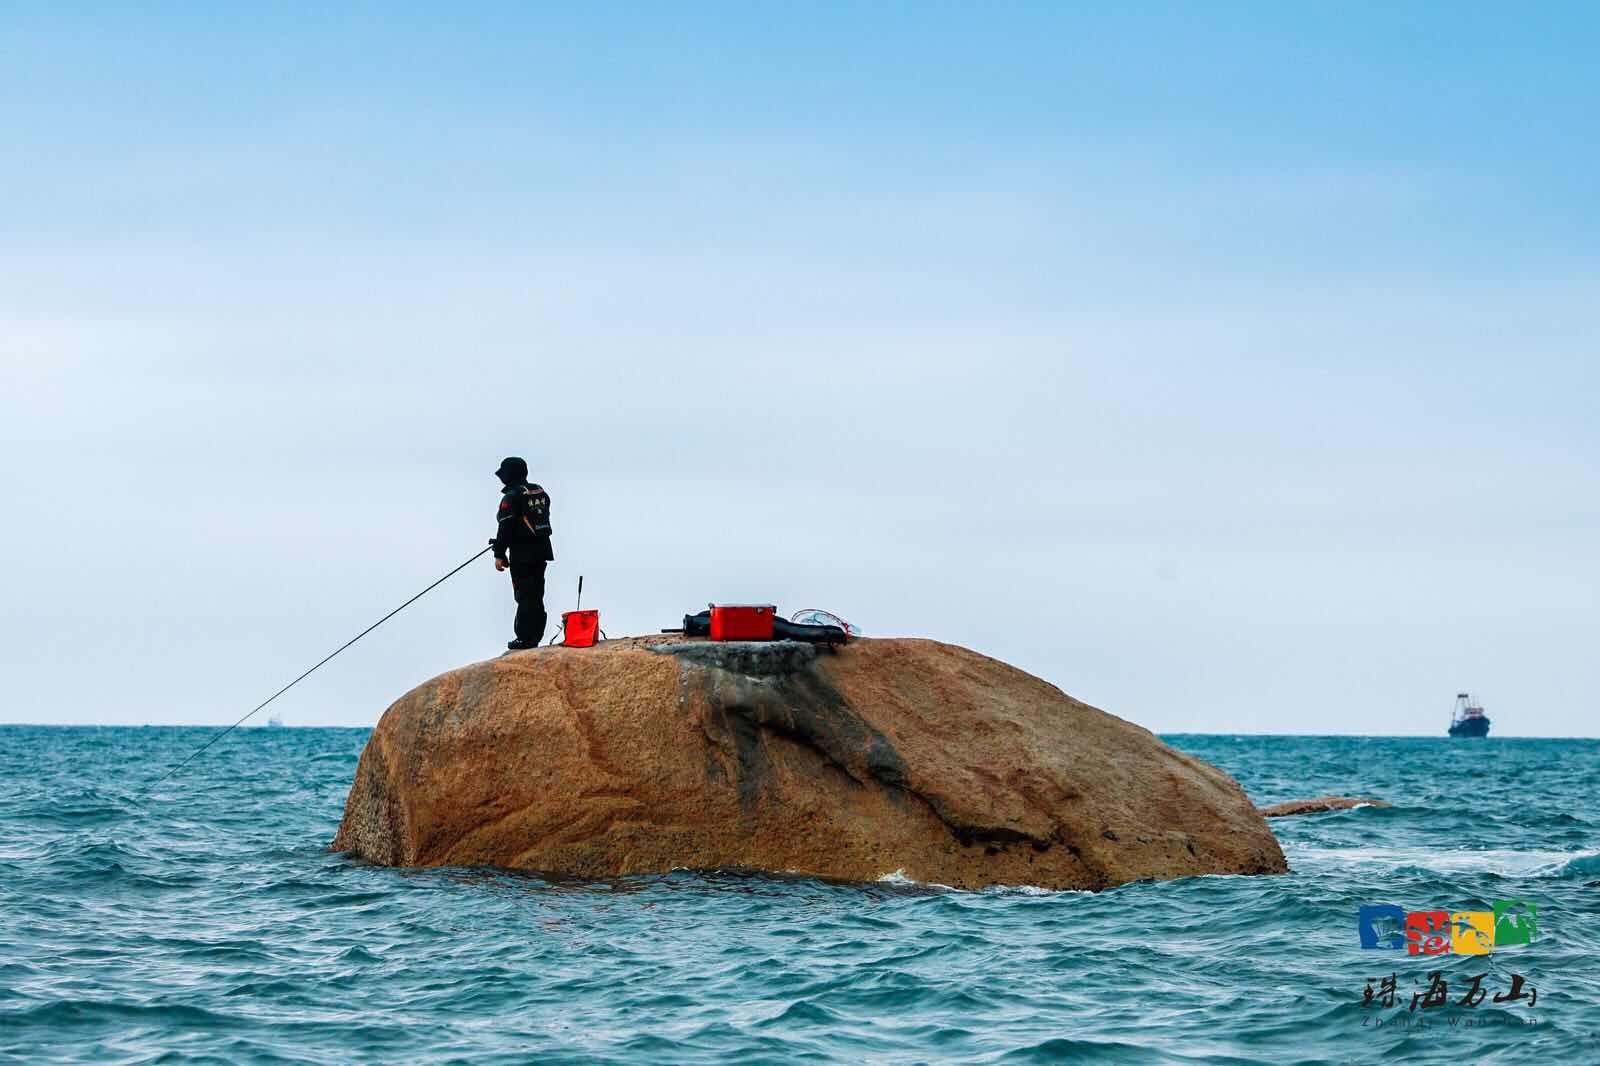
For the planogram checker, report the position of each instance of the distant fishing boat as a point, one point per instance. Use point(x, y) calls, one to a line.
point(1468, 719)
point(274, 722)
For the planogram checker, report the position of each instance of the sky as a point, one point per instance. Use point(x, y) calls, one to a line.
point(1230, 366)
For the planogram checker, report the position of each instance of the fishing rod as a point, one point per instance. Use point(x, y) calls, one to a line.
point(196, 753)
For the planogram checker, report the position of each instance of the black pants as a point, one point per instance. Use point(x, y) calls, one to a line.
point(527, 585)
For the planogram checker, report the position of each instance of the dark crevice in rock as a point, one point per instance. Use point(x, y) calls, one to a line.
point(774, 687)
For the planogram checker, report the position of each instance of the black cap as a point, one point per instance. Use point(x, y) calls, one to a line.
point(512, 469)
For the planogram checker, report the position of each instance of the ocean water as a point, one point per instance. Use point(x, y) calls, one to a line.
point(209, 922)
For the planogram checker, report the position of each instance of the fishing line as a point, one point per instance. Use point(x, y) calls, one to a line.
point(314, 669)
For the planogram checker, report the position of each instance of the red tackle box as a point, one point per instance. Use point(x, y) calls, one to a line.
point(580, 628)
point(742, 621)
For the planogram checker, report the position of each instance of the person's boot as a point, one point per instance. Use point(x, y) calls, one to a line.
point(519, 645)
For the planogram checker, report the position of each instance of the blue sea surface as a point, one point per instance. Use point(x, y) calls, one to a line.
point(209, 922)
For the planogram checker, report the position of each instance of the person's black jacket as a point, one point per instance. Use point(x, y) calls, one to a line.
point(524, 519)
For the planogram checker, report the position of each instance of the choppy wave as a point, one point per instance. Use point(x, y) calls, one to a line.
point(1580, 866)
point(1507, 862)
point(208, 920)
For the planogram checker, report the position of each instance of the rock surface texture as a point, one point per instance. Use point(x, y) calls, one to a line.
point(1318, 805)
point(889, 756)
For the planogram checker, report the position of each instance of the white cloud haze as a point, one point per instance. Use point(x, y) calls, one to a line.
point(1220, 440)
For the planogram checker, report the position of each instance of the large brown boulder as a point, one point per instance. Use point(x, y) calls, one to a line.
point(889, 756)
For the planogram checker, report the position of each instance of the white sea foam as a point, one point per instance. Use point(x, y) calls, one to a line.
point(898, 877)
point(1507, 862)
point(1034, 890)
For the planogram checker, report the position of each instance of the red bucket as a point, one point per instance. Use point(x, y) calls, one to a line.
point(580, 628)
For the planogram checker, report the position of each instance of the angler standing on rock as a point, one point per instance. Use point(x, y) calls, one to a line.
point(524, 532)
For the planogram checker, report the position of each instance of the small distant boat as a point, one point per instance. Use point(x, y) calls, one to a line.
point(274, 722)
point(1468, 719)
